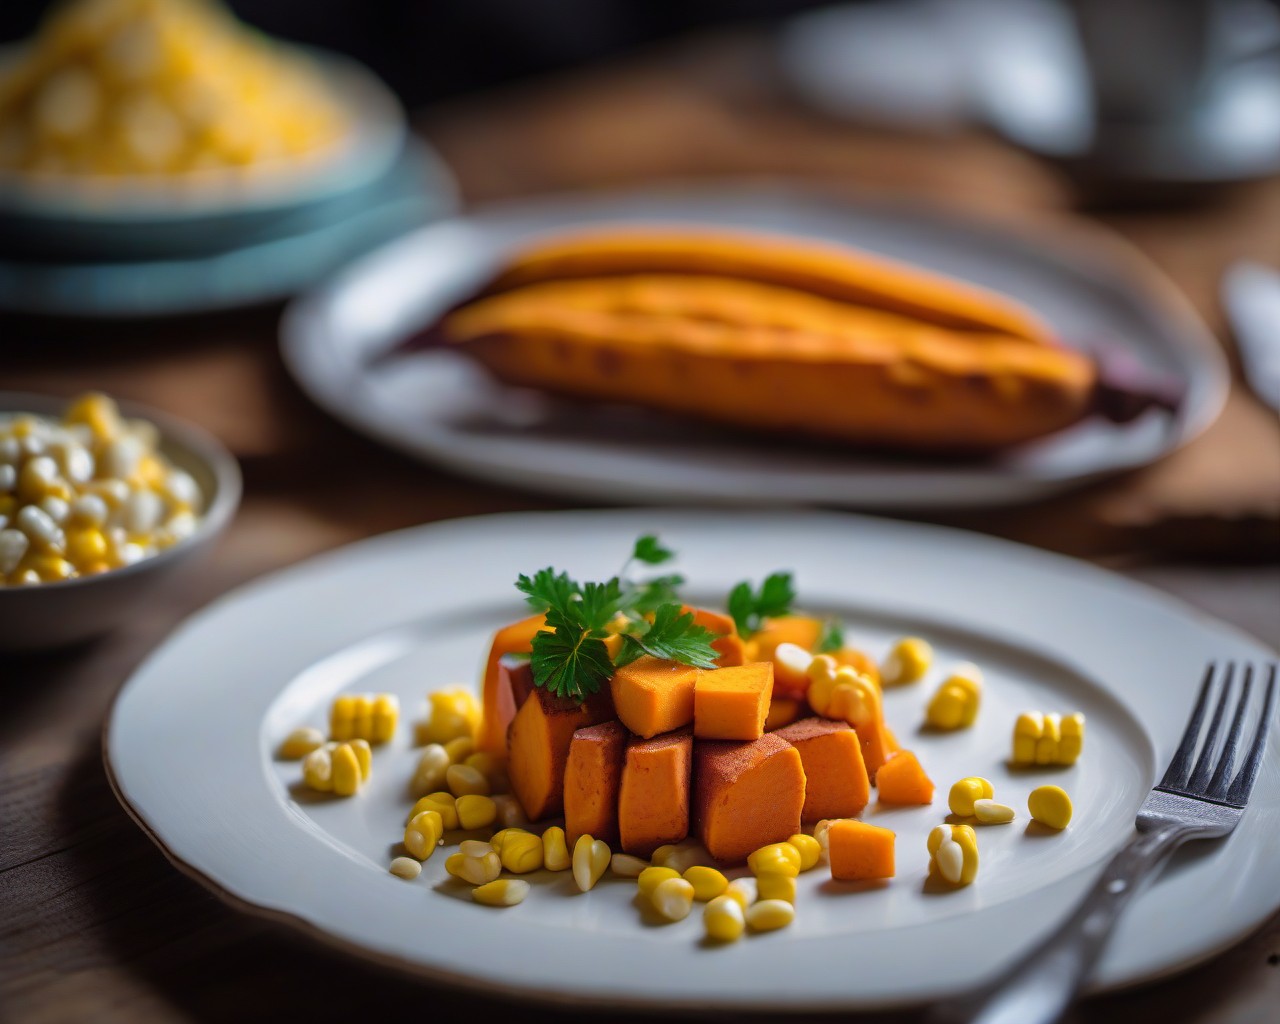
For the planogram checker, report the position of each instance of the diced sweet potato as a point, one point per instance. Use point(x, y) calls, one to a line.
point(836, 784)
point(732, 703)
point(653, 696)
point(653, 803)
point(860, 852)
point(499, 704)
point(901, 780)
point(787, 629)
point(747, 795)
point(729, 645)
point(538, 747)
point(592, 780)
point(783, 711)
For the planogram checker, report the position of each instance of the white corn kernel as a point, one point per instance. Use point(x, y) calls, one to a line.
point(745, 891)
point(990, 812)
point(120, 457)
point(769, 915)
point(429, 774)
point(672, 898)
point(8, 478)
point(55, 508)
point(41, 530)
point(555, 850)
point(724, 919)
point(476, 870)
point(13, 545)
point(77, 464)
point(475, 848)
point(626, 866)
point(590, 859)
point(300, 743)
point(405, 867)
point(950, 859)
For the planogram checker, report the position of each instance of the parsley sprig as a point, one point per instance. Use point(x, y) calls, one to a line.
point(572, 660)
point(749, 607)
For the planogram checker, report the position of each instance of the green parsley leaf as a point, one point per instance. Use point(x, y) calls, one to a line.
point(749, 608)
point(570, 662)
point(671, 636)
point(649, 595)
point(649, 551)
point(600, 603)
point(831, 638)
point(547, 589)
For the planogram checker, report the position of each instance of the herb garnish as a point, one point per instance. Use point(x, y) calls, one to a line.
point(749, 608)
point(831, 638)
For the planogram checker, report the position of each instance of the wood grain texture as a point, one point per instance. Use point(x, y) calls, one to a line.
point(95, 925)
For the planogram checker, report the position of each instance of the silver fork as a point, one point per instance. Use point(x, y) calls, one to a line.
point(1198, 798)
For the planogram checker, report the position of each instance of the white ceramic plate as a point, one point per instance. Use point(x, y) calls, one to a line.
point(443, 409)
point(192, 734)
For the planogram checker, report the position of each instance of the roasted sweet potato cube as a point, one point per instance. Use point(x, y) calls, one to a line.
point(654, 696)
point(653, 803)
point(732, 703)
point(783, 711)
point(592, 782)
point(746, 795)
point(538, 747)
point(901, 780)
point(836, 783)
point(859, 852)
point(499, 703)
point(730, 647)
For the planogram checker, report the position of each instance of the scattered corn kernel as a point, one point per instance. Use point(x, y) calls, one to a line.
point(855, 698)
point(475, 848)
point(682, 855)
point(1042, 739)
point(955, 703)
point(820, 831)
point(453, 714)
point(771, 886)
point(555, 850)
point(498, 838)
point(502, 892)
point(590, 859)
point(460, 748)
point(476, 870)
point(963, 794)
point(822, 682)
point(744, 891)
point(626, 866)
point(724, 919)
point(510, 813)
point(443, 804)
point(405, 867)
point(770, 915)
point(521, 852)
point(463, 780)
point(338, 768)
point(953, 853)
point(422, 834)
point(991, 812)
point(492, 767)
point(708, 883)
point(346, 773)
point(299, 743)
point(1050, 806)
point(475, 811)
point(810, 850)
point(366, 716)
point(776, 858)
point(428, 776)
point(906, 662)
point(672, 898)
point(650, 877)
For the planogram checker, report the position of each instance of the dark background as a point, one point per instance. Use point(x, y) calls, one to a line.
point(430, 49)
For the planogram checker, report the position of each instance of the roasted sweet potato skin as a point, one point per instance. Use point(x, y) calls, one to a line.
point(538, 743)
point(498, 700)
point(836, 784)
point(653, 802)
point(592, 780)
point(746, 795)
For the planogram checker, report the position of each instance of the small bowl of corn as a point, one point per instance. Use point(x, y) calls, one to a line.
point(99, 504)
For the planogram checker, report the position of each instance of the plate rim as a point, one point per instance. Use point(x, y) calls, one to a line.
point(507, 990)
point(1074, 242)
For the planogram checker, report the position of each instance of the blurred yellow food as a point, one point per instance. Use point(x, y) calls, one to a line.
point(157, 87)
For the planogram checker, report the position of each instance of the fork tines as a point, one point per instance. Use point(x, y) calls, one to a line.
point(1210, 776)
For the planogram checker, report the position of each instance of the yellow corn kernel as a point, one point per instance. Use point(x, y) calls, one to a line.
point(809, 849)
point(299, 743)
point(502, 892)
point(965, 792)
point(443, 804)
point(345, 714)
point(590, 859)
point(422, 834)
point(682, 855)
point(498, 838)
point(429, 775)
point(771, 886)
point(1071, 742)
point(820, 831)
point(955, 703)
point(476, 870)
point(672, 898)
point(364, 757)
point(50, 568)
point(953, 853)
point(855, 698)
point(346, 770)
point(521, 852)
point(463, 780)
point(491, 766)
point(770, 915)
point(626, 866)
point(1027, 731)
point(510, 813)
point(86, 547)
point(459, 749)
point(555, 850)
point(386, 713)
point(778, 858)
point(650, 877)
point(708, 883)
point(743, 891)
point(405, 867)
point(453, 714)
point(96, 411)
point(475, 848)
point(475, 811)
point(990, 812)
point(317, 770)
point(822, 682)
point(1047, 744)
point(906, 662)
point(1050, 806)
point(724, 919)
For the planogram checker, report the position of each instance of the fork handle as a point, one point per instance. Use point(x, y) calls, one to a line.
point(1040, 986)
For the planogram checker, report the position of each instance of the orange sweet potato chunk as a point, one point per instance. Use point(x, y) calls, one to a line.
point(653, 696)
point(787, 629)
point(653, 801)
point(746, 795)
point(836, 784)
point(732, 703)
point(592, 781)
point(860, 852)
point(538, 747)
point(783, 711)
point(901, 780)
point(499, 703)
point(729, 645)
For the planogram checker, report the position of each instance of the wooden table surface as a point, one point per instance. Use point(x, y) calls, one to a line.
point(94, 922)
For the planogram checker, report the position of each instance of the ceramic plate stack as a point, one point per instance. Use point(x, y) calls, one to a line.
point(121, 248)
